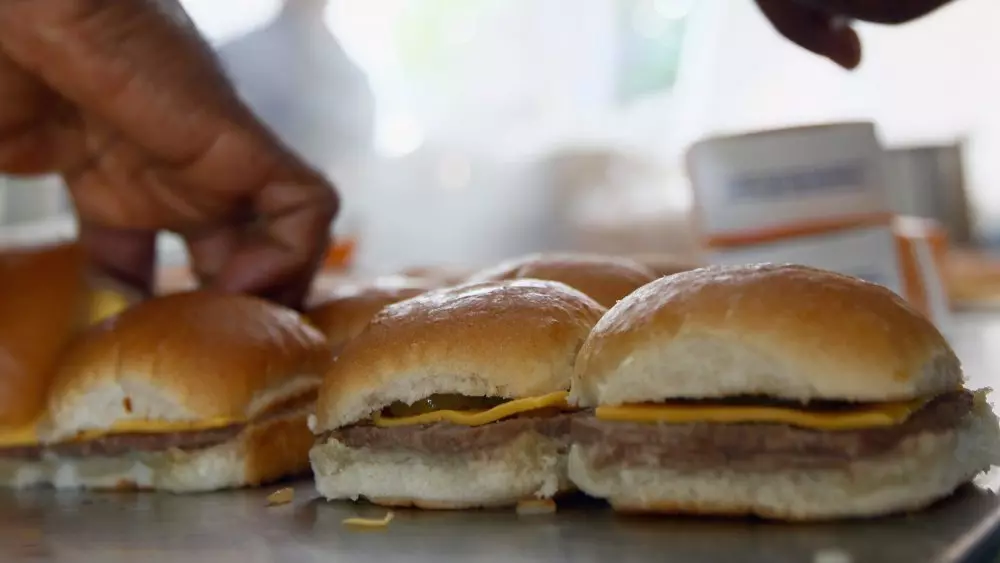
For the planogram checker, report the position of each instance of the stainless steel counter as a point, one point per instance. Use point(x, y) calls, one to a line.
point(239, 527)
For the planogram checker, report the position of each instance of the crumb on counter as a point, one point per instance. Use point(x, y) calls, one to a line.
point(535, 506)
point(281, 496)
point(370, 522)
point(832, 556)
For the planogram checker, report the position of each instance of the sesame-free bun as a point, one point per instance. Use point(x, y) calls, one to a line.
point(500, 339)
point(604, 278)
point(186, 357)
point(666, 264)
point(344, 311)
point(440, 275)
point(783, 331)
point(44, 298)
point(265, 451)
point(531, 466)
point(924, 468)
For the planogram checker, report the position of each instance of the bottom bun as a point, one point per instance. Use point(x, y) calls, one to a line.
point(531, 466)
point(262, 453)
point(924, 469)
point(19, 474)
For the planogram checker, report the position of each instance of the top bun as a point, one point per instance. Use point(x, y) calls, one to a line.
point(666, 264)
point(186, 356)
point(443, 275)
point(604, 278)
point(496, 339)
point(44, 302)
point(788, 332)
point(344, 312)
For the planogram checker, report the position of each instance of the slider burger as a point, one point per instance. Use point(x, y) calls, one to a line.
point(46, 299)
point(604, 278)
point(342, 312)
point(665, 264)
point(454, 399)
point(187, 392)
point(441, 275)
point(780, 391)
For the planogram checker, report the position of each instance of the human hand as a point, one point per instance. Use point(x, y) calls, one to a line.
point(822, 26)
point(128, 103)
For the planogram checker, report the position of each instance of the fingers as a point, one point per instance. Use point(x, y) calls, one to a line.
point(30, 116)
point(277, 257)
point(209, 251)
point(139, 66)
point(878, 11)
point(124, 256)
point(814, 30)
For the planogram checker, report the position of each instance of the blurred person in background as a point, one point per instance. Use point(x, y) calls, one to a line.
point(128, 103)
point(294, 74)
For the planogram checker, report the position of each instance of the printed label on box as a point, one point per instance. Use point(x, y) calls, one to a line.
point(746, 184)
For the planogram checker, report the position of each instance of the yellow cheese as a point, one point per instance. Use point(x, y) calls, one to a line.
point(867, 416)
point(157, 427)
point(370, 522)
point(28, 435)
point(105, 304)
point(480, 417)
point(18, 437)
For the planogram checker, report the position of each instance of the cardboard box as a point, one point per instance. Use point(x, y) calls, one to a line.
point(777, 182)
point(867, 253)
point(813, 196)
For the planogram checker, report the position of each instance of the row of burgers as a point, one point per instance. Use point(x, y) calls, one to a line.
point(775, 390)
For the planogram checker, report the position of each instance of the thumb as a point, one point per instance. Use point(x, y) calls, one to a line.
point(815, 31)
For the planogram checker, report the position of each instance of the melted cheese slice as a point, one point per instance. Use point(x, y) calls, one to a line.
point(28, 435)
point(105, 304)
point(157, 427)
point(867, 416)
point(370, 522)
point(478, 417)
point(19, 437)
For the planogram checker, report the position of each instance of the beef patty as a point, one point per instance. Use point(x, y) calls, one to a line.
point(447, 438)
point(113, 445)
point(755, 446)
point(120, 444)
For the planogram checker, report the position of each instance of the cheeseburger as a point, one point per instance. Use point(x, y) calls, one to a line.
point(46, 299)
point(187, 392)
point(780, 391)
point(604, 278)
point(666, 264)
point(454, 398)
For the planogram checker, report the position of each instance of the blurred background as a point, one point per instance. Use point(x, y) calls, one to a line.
point(465, 131)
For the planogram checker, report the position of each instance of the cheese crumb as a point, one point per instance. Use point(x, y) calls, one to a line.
point(281, 496)
point(370, 522)
point(533, 507)
point(832, 556)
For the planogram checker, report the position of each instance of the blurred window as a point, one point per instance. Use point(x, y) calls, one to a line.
point(222, 21)
point(650, 35)
point(454, 67)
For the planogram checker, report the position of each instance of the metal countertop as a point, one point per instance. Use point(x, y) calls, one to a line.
point(237, 526)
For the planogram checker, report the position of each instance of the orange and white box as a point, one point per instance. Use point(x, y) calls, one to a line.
point(807, 195)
